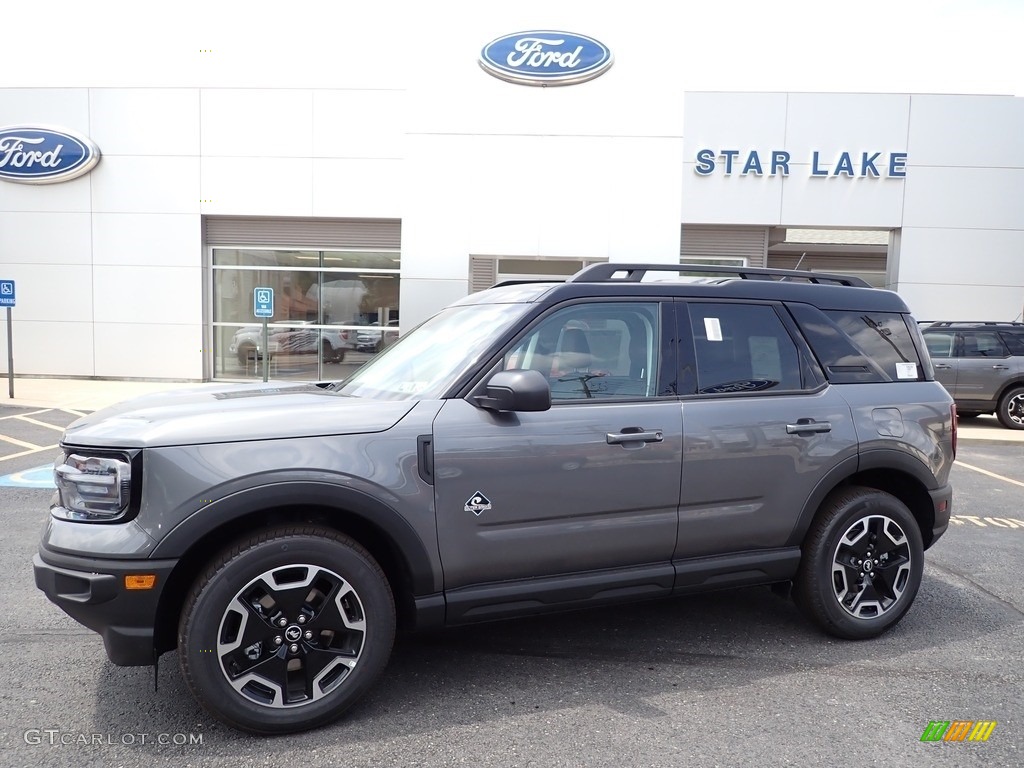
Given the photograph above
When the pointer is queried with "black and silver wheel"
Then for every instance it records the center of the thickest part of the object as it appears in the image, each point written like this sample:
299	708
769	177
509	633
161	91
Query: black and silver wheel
332	355
1011	409
247	352
286	630
862	563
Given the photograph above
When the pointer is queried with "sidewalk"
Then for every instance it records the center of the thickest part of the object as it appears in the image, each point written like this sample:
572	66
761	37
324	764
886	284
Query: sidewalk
91	395
80	394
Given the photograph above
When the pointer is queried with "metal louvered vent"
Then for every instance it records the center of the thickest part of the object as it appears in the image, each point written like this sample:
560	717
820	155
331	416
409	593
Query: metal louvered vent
302	232
483	273
708	242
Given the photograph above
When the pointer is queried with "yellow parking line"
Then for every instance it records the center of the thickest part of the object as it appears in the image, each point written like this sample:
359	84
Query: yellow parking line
990	474
21	443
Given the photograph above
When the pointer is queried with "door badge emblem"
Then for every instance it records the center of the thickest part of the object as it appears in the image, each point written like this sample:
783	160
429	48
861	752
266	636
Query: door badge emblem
478	503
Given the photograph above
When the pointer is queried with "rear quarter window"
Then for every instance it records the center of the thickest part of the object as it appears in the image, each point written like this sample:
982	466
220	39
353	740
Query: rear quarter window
859	347
1014	342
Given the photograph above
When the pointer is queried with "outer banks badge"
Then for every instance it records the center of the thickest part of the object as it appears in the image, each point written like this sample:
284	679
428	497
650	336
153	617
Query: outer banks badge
478	503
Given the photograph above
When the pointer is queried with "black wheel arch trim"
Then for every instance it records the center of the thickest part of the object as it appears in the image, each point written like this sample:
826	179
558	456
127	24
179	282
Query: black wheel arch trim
297	493
881	458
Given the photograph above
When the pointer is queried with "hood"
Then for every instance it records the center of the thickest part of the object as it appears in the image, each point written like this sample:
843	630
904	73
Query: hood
219	413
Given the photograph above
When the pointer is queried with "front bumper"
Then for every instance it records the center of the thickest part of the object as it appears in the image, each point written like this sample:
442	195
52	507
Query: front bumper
92	592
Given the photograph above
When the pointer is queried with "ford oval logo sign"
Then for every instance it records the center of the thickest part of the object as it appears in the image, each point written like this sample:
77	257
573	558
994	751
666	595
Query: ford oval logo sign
545	57
33	154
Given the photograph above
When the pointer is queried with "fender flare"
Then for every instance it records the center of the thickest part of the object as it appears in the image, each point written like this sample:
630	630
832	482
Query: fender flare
286	493
882	458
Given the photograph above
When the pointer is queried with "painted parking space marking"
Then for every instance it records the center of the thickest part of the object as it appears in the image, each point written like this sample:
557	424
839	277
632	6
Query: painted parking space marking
36	450
20	443
37	477
990	474
40	423
985	522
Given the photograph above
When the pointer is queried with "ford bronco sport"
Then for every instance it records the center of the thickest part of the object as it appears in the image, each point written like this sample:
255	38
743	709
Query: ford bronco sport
982	366
533	447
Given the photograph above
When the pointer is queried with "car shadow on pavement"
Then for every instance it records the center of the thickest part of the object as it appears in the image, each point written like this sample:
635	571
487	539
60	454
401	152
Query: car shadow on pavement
623	658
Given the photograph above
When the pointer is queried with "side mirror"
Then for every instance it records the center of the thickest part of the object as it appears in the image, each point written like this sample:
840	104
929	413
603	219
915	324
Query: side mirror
516	391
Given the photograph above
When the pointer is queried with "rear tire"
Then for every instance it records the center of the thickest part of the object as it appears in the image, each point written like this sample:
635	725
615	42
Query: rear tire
862	562
286	629
1011	409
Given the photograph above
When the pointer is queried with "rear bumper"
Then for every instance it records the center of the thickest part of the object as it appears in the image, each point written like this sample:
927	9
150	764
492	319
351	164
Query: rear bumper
92	592
942	501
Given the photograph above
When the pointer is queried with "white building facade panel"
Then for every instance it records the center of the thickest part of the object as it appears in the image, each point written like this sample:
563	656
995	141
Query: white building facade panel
151	122
114	278
32	237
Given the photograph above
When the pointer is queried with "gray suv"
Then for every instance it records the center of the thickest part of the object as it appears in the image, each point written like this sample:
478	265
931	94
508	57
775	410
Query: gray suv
982	366
534	447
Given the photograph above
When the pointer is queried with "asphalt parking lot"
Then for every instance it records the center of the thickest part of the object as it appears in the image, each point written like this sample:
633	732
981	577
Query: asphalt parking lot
729	679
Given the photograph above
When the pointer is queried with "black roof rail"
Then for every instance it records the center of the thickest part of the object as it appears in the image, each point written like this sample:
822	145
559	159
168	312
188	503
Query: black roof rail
606	271
528	281
951	323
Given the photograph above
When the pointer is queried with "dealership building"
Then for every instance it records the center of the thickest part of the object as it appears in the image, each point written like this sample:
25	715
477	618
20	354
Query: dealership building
367	207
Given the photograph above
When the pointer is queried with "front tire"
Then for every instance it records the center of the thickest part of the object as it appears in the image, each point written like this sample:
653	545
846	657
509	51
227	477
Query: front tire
862	562
286	629
1011	409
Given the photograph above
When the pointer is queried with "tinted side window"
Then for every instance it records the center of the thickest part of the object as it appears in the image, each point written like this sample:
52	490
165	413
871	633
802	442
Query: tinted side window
742	348
982	344
885	338
1014	342
843	362
595	351
940	343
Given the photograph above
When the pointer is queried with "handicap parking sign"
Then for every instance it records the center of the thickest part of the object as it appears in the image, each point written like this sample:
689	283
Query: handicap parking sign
6	293
263	302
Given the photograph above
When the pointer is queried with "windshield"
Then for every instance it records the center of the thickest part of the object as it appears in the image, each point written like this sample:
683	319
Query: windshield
425	363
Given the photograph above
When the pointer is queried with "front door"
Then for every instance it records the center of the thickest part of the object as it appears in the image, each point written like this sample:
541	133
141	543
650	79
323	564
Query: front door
585	491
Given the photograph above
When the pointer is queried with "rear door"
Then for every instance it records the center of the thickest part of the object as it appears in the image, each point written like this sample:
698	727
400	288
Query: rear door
984	367
760	431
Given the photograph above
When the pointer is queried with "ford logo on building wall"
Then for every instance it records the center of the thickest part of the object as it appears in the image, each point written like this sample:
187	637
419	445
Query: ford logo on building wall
34	154
545	57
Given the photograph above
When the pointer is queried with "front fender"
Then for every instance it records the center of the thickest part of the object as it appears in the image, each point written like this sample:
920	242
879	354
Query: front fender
307	493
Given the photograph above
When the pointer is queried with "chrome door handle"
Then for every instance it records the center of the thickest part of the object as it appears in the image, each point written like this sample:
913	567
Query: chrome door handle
1001	367
943	367
640	436
803	426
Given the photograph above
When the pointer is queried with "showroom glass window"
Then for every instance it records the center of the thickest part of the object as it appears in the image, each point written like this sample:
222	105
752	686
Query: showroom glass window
333	310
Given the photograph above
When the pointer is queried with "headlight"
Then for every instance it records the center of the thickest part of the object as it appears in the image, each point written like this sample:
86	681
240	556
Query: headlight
96	488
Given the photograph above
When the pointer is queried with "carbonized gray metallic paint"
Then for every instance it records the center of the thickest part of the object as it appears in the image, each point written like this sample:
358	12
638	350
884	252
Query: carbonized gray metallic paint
222	414
563	499
745	476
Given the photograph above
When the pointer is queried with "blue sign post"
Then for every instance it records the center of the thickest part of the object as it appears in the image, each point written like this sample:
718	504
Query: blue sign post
7	300
263	307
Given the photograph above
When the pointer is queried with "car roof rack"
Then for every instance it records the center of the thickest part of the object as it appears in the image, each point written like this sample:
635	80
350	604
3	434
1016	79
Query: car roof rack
951	323
528	281
607	271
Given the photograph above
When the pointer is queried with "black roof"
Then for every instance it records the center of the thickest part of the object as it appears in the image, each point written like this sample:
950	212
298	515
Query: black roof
823	290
